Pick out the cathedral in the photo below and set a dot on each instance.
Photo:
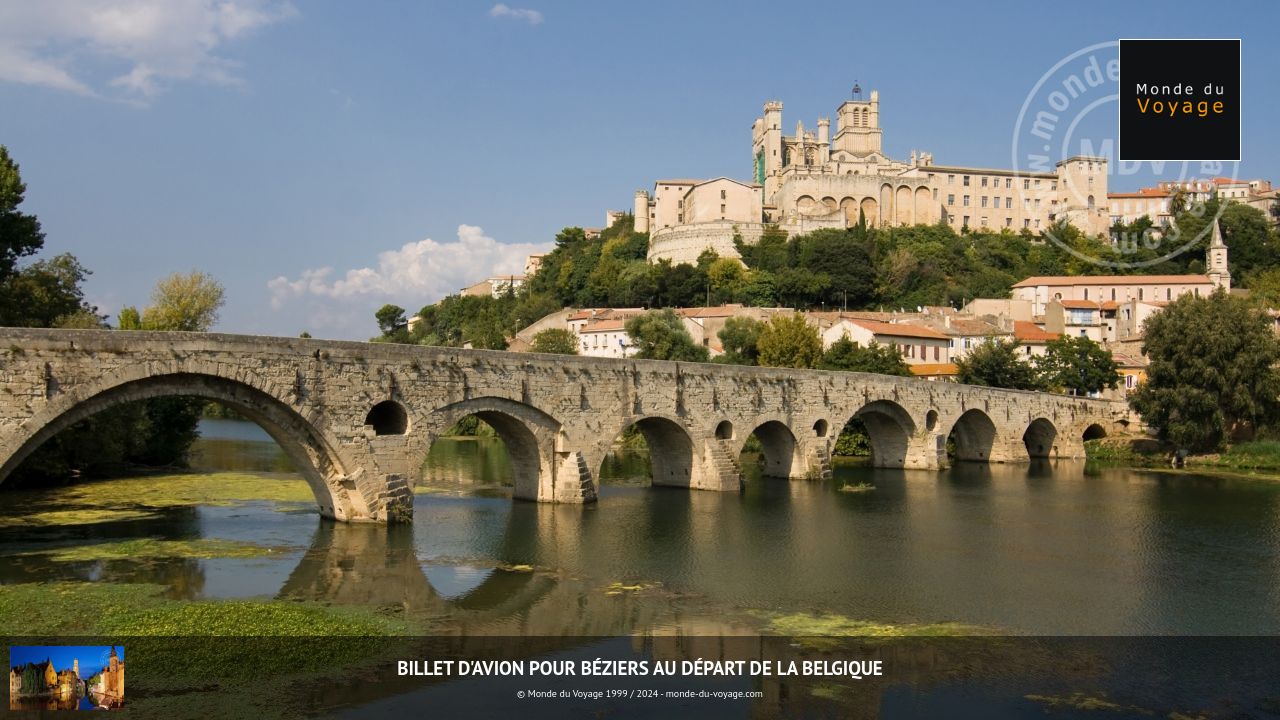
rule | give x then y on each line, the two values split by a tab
808	181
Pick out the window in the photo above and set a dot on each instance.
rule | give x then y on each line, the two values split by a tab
1113	294
1026	184
984	182
951	199
1026	223
1139	293
1037	184
966	221
984	201
1037	203
1130	382
935	193
966	181
966	201
984	221
1053	185
1008	183
1008	222
937	353
722	194
1168	293
951	179
1086	293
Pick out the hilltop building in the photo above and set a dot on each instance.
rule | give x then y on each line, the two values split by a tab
808	181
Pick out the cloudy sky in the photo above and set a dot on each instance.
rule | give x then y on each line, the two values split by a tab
323	158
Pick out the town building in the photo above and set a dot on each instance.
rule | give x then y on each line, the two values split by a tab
110	688
808	181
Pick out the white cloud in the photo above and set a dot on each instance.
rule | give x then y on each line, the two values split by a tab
416	274
134	46
533	17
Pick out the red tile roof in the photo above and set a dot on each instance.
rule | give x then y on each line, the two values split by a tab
935	369
897	329
1070	280
1031	333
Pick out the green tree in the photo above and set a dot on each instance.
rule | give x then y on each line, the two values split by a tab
390	319
1077	365
1212	374
660	335
997	363
44	291
740	337
556	341
184	301
20	234
845	354
129	318
789	341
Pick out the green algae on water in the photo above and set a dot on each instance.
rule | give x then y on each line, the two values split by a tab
831	625
134	610
146	548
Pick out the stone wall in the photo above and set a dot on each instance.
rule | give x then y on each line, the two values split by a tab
558	415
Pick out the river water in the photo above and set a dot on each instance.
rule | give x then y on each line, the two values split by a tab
1047	549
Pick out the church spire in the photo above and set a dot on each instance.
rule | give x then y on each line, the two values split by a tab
1216	259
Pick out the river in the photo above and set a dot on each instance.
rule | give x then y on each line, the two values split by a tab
1046	549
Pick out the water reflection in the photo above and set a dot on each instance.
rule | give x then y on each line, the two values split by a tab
1052	548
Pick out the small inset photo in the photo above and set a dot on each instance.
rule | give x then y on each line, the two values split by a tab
66	677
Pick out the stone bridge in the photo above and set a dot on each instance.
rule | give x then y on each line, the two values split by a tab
358	419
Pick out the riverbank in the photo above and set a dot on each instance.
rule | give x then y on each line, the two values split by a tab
1257	458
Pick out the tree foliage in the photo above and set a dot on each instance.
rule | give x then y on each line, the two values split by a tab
998	363
1077	365
1212	374
186	302
845	354
660	335
740	337
788	340
556	341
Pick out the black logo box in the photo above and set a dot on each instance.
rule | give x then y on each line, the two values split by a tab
1184	65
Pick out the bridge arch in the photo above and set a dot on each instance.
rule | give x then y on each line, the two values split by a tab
779	449
671	455
974	434
1040	438
1093	431
889	428
312	449
528	433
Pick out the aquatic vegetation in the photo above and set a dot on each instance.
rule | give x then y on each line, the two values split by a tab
137	610
141	548
617	588
857	487
831	625
137	498
1084	701
79	516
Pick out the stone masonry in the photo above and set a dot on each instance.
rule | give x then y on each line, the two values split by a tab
358	419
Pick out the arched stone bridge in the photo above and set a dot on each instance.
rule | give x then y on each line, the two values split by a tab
358	419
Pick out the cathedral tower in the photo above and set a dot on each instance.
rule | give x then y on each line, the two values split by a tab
858	127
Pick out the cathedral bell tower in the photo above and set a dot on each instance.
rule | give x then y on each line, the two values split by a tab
1216	260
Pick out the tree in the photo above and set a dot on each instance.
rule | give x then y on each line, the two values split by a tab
1212	374
845	354
556	341
1078	365
20	234
739	338
129	318
390	319
789	341
186	302
660	335
41	293
996	363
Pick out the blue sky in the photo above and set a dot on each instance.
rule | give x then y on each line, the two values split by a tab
92	657
411	148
